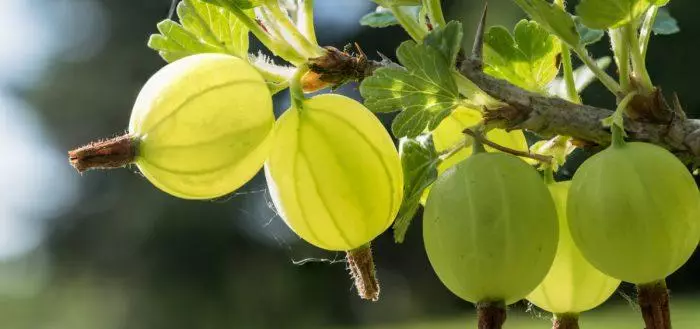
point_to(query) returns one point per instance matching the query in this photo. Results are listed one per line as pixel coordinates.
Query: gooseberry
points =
(201, 125)
(634, 212)
(449, 133)
(490, 228)
(572, 285)
(334, 173)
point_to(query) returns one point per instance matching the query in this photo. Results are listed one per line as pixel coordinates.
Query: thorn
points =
(478, 49)
(359, 50)
(677, 107)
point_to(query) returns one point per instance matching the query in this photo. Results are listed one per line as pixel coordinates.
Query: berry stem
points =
(653, 299)
(480, 141)
(296, 88)
(363, 272)
(104, 154)
(492, 315)
(565, 321)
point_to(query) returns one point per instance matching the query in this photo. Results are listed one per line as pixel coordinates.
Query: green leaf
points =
(604, 14)
(665, 24)
(660, 3)
(423, 90)
(379, 19)
(586, 34)
(243, 4)
(553, 18)
(447, 39)
(419, 161)
(528, 59)
(203, 28)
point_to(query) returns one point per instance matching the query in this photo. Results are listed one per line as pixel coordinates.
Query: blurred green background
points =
(108, 250)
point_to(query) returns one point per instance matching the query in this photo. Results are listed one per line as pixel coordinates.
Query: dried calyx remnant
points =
(104, 154)
(337, 67)
(565, 321)
(653, 300)
(361, 266)
(492, 315)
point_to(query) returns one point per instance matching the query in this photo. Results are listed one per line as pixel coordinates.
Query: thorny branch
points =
(655, 122)
(549, 116)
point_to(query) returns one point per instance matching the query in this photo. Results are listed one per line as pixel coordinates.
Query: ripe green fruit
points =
(490, 228)
(334, 173)
(634, 212)
(202, 125)
(572, 285)
(449, 133)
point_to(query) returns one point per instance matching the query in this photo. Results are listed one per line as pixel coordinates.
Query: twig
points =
(483, 140)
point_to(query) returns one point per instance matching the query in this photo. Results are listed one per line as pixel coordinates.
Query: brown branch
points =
(483, 140)
(549, 116)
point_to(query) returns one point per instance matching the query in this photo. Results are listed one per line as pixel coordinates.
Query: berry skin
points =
(490, 228)
(449, 133)
(202, 124)
(572, 285)
(634, 212)
(334, 173)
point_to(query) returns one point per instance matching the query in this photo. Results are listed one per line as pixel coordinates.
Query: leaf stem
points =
(305, 19)
(618, 125)
(276, 46)
(408, 23)
(645, 32)
(606, 79)
(639, 65)
(479, 139)
(569, 80)
(622, 56)
(306, 48)
(434, 7)
(296, 89)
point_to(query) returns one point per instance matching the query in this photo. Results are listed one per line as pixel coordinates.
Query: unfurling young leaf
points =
(203, 28)
(381, 17)
(586, 34)
(665, 24)
(528, 58)
(423, 89)
(553, 18)
(604, 14)
(419, 161)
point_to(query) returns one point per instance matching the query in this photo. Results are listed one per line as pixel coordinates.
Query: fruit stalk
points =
(565, 321)
(363, 272)
(653, 299)
(111, 153)
(492, 315)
